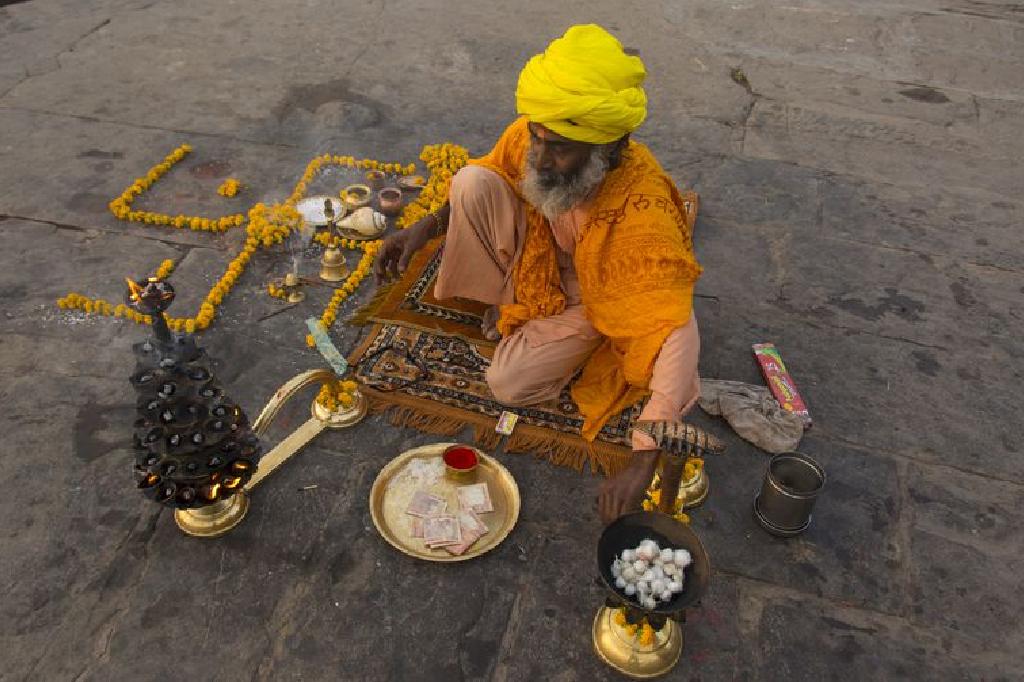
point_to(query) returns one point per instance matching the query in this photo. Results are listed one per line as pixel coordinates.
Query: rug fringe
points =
(438, 424)
(561, 449)
(486, 437)
(365, 314)
(569, 450)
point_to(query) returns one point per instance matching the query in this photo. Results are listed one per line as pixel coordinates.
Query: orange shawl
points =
(635, 264)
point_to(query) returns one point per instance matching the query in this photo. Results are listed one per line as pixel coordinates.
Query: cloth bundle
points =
(753, 413)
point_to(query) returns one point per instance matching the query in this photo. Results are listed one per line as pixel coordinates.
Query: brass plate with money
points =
(412, 487)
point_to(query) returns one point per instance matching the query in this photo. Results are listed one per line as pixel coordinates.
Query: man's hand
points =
(398, 249)
(624, 492)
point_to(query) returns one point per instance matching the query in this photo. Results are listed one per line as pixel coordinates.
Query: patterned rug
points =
(423, 363)
(410, 302)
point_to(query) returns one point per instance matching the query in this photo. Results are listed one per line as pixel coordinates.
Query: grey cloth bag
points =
(753, 413)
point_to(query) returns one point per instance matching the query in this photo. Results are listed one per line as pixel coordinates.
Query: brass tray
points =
(393, 524)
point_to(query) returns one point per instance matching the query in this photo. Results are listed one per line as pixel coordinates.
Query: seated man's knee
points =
(506, 384)
(475, 180)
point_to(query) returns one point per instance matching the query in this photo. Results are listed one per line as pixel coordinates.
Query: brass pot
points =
(390, 201)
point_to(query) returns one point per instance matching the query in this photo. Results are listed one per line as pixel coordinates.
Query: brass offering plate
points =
(312, 209)
(393, 523)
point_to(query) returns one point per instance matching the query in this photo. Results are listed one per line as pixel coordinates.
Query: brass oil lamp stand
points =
(333, 267)
(194, 448)
(614, 641)
(218, 519)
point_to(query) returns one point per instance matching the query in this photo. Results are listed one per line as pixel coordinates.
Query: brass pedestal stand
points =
(218, 518)
(214, 520)
(617, 647)
(621, 651)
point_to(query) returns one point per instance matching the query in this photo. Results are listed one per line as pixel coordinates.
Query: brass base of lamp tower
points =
(214, 520)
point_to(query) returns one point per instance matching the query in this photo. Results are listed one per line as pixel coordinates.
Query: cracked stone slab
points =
(740, 265)
(878, 148)
(937, 221)
(934, 300)
(66, 452)
(99, 160)
(781, 80)
(72, 260)
(759, 193)
(968, 510)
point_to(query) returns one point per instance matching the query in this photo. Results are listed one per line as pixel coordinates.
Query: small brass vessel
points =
(333, 267)
(292, 286)
(356, 196)
(623, 653)
(390, 201)
(694, 491)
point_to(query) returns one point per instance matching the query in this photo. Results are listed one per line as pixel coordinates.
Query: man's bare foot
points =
(489, 326)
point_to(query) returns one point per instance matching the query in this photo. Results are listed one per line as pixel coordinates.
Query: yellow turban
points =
(584, 87)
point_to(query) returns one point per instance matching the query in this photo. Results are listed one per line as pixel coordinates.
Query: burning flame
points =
(135, 289)
(210, 492)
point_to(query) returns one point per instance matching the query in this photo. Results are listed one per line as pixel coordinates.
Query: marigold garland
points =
(333, 241)
(443, 161)
(338, 392)
(165, 269)
(121, 207)
(229, 187)
(267, 226)
(652, 498)
(330, 313)
(643, 631)
(277, 292)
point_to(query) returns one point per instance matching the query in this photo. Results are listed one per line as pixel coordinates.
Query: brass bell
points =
(333, 267)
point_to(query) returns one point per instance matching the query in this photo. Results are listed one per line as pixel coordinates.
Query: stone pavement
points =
(858, 165)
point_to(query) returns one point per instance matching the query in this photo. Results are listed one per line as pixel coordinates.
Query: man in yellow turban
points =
(582, 244)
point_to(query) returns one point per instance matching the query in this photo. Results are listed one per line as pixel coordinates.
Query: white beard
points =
(553, 194)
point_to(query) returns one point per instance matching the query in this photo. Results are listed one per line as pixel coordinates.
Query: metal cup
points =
(791, 486)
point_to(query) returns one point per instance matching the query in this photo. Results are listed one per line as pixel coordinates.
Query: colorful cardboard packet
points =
(780, 382)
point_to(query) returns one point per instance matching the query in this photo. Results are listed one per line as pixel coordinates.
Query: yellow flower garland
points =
(337, 392)
(443, 161)
(277, 292)
(642, 630)
(333, 241)
(330, 313)
(121, 207)
(267, 226)
(653, 497)
(164, 270)
(229, 187)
